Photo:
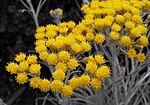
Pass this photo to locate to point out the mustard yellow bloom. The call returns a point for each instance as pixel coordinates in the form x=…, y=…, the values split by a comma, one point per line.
x=67, y=91
x=23, y=66
x=59, y=75
x=44, y=85
x=72, y=64
x=116, y=27
x=56, y=85
x=40, y=42
x=52, y=59
x=74, y=82
x=40, y=29
x=43, y=55
x=20, y=57
x=39, y=36
x=135, y=33
x=99, y=38
x=35, y=69
x=50, y=34
x=12, y=67
x=131, y=53
x=34, y=82
x=85, y=47
x=89, y=36
x=96, y=84
x=136, y=19
x=63, y=56
x=143, y=40
x=61, y=66
x=91, y=67
x=129, y=25
x=142, y=28
x=119, y=18
x=31, y=59
x=140, y=57
x=84, y=80
x=114, y=36
x=103, y=72
x=99, y=58
x=40, y=48
x=76, y=47
x=126, y=41
x=22, y=78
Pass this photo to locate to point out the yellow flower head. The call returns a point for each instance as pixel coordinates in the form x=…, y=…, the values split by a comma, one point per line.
x=52, y=59
x=63, y=30
x=84, y=80
x=142, y=28
x=20, y=57
x=44, y=85
x=119, y=18
x=34, y=82
x=127, y=16
x=116, y=27
x=43, y=55
x=69, y=40
x=74, y=82
x=31, y=59
x=12, y=68
x=96, y=84
x=35, y=69
x=39, y=36
x=114, y=36
x=135, y=11
x=76, y=47
x=99, y=58
x=22, y=78
x=40, y=29
x=99, y=23
x=126, y=41
x=140, y=57
x=91, y=67
x=61, y=66
x=135, y=33
x=63, y=56
x=103, y=72
x=40, y=42
x=72, y=64
x=56, y=85
x=85, y=47
x=71, y=24
x=89, y=36
x=50, y=43
x=80, y=38
x=23, y=66
x=129, y=25
x=131, y=53
x=50, y=34
x=59, y=75
x=143, y=40
x=40, y=48
x=67, y=91
x=137, y=19
x=99, y=38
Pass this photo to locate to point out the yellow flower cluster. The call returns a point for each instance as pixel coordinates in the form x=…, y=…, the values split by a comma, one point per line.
x=24, y=66
x=122, y=18
x=60, y=46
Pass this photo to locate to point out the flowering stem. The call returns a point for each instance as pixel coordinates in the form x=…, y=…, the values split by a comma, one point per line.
x=114, y=72
x=34, y=15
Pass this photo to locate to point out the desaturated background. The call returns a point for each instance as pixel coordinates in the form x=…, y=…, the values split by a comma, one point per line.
x=17, y=35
